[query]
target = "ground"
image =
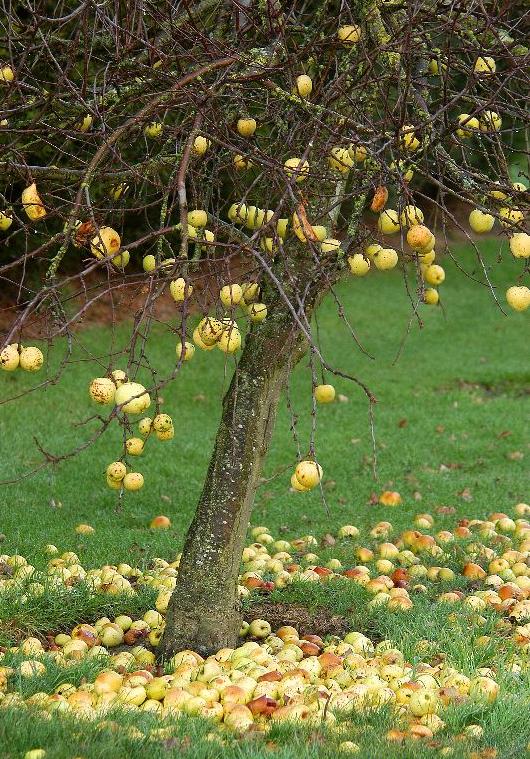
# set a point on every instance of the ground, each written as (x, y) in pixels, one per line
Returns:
(450, 430)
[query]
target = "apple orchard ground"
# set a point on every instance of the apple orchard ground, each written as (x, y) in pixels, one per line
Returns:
(451, 431)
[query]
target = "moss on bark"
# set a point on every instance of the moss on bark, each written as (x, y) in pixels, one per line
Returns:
(204, 612)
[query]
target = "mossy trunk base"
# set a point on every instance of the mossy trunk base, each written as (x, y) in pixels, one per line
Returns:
(204, 611)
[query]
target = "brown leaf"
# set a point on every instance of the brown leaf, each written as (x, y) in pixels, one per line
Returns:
(403, 423)
(374, 499)
(307, 229)
(445, 510)
(504, 433)
(439, 428)
(327, 540)
(199, 397)
(83, 232)
(165, 498)
(417, 495)
(515, 456)
(355, 440)
(466, 495)
(342, 398)
(380, 198)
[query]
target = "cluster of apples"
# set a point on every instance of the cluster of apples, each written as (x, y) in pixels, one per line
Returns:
(342, 159)
(492, 556)
(285, 677)
(306, 476)
(15, 356)
(131, 398)
(487, 121)
(492, 553)
(223, 333)
(517, 296)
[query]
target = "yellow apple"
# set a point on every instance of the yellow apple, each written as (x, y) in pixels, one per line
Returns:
(180, 289)
(106, 243)
(520, 245)
(408, 138)
(304, 85)
(153, 130)
(246, 127)
(324, 393)
(295, 166)
(230, 295)
(132, 481)
(149, 263)
(121, 259)
(197, 339)
(340, 160)
(511, 217)
(145, 426)
(485, 65)
(132, 397)
(185, 351)
(518, 297)
(388, 222)
(241, 162)
(6, 74)
(116, 471)
(230, 340)
(9, 358)
(349, 35)
(6, 219)
(358, 152)
(201, 145)
(237, 213)
(85, 123)
(434, 274)
(210, 330)
(134, 446)
(431, 296)
(33, 205)
(160, 522)
(359, 265)
(385, 258)
(490, 121)
(481, 222)
(308, 473)
(410, 216)
(257, 312)
(102, 390)
(468, 125)
(198, 218)
(420, 237)
(330, 245)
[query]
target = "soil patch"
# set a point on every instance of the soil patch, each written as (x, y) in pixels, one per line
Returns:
(318, 621)
(518, 387)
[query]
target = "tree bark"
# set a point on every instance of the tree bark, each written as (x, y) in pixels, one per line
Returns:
(204, 611)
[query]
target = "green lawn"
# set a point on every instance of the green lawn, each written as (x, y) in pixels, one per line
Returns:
(450, 418)
(451, 431)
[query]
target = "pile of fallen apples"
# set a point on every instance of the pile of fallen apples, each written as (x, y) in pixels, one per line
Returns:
(285, 676)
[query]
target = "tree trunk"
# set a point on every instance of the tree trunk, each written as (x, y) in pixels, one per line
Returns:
(204, 611)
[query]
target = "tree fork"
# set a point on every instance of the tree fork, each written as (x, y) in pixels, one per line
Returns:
(204, 610)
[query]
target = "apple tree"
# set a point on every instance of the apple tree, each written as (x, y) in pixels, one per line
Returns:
(243, 157)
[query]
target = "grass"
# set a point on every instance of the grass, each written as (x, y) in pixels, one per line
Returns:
(450, 432)
(448, 422)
